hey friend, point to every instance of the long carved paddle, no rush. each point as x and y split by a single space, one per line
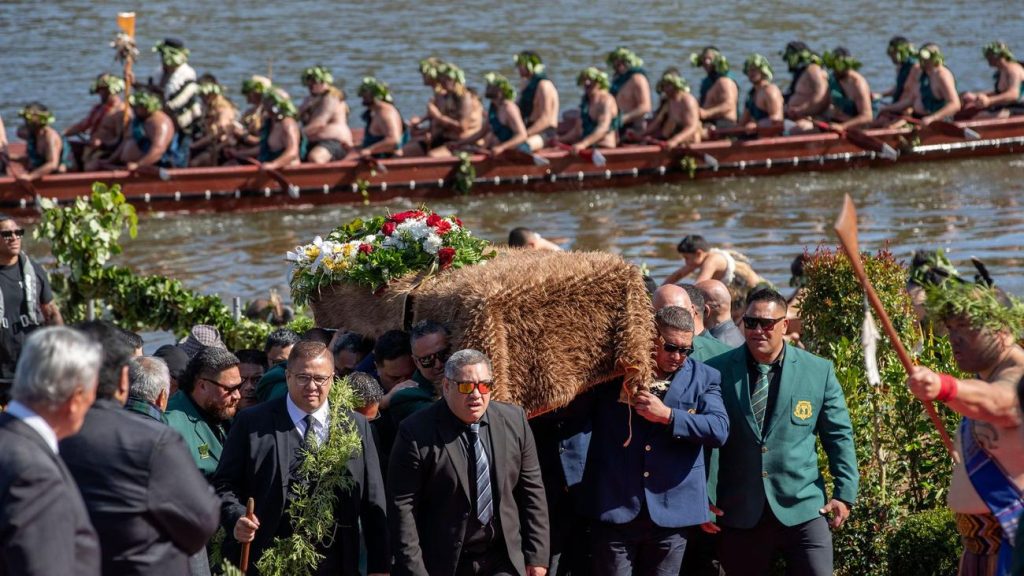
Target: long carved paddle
846 228
276 176
862 141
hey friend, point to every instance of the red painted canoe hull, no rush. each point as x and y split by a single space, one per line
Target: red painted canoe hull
245 188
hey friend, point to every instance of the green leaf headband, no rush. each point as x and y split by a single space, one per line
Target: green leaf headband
931 53
673 79
281 106
111 83
36 115
796 57
983 306
207 88
999 50
840 63
501 83
718 60
429 67
318 74
375 88
595 75
453 72
622 54
255 85
530 61
759 62
170 55
146 100
902 51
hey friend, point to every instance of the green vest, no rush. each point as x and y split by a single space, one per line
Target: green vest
204 443
780 467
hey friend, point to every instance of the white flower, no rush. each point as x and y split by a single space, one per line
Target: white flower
370 239
394 241
432 243
416 228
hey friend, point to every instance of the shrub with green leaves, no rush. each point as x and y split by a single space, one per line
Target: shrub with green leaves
904 468
925 544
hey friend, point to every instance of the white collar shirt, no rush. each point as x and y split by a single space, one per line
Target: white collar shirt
321 419
35 422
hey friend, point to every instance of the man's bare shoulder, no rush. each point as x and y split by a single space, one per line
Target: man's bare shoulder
1012 370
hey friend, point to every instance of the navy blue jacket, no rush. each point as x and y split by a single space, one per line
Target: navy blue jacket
662 465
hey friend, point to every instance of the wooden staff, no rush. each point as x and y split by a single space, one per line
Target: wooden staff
846 228
250 508
126 22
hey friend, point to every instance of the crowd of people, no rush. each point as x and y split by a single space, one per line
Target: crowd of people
182 119
116 462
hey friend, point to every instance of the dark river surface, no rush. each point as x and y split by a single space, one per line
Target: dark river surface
50 51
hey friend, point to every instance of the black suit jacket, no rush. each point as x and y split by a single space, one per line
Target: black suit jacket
429 493
255 463
44 527
150 505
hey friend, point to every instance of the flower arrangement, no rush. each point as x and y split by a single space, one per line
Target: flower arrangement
374 252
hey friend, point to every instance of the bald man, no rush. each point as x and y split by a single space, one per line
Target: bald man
718 313
704 346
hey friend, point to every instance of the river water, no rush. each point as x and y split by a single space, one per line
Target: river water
50 51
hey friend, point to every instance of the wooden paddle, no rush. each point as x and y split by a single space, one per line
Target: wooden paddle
277 176
375 165
592 154
250 510
846 228
946 128
861 140
157 171
770 131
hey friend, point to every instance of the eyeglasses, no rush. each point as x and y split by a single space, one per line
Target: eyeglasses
429 360
673 349
467 387
8 234
310 379
228 389
766 324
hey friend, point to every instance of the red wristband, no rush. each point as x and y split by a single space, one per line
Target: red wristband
949 388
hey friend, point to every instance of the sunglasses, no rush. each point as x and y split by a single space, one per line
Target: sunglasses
766 324
673 349
227 389
429 360
8 234
467 387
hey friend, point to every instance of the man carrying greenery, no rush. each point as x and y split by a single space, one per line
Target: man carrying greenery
988 480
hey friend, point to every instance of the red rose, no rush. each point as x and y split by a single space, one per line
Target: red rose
433 220
445 256
458 221
365 248
443 227
403 216
388 228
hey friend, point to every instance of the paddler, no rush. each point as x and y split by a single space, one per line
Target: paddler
908 74
654 130
152 139
324 117
421 129
461 116
764 101
46 151
631 89
1007 96
247 145
281 142
102 129
219 126
538 100
807 95
504 129
384 134
719 91
599 113
988 480
179 87
936 97
848 90
681 124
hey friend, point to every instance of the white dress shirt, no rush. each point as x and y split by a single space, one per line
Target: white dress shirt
33 421
321 418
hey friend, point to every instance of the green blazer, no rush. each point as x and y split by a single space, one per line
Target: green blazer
706 347
781 468
203 443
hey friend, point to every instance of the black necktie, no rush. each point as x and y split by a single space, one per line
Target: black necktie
481 471
310 440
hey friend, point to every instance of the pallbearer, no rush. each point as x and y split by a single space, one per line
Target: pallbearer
987 484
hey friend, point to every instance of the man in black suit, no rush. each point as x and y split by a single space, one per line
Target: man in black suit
150 505
44 527
464 483
261 458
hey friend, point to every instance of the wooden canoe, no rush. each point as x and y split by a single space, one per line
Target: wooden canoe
245 188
